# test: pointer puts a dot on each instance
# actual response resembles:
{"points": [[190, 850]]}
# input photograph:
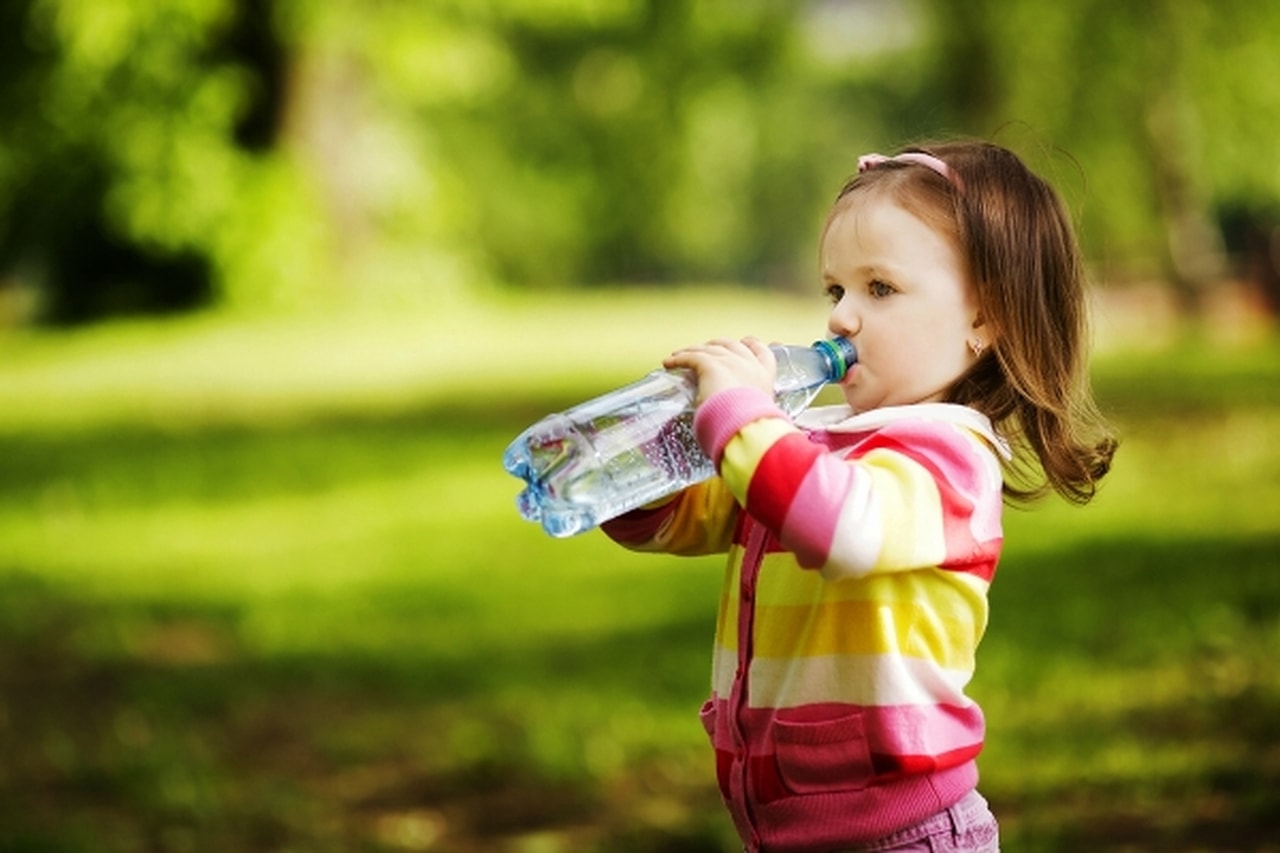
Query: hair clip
{"points": [[870, 161]]}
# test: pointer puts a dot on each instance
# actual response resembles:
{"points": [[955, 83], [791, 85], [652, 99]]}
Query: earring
{"points": [[977, 346]]}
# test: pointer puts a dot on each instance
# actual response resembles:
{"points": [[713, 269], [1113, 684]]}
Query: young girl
{"points": [[862, 538]]}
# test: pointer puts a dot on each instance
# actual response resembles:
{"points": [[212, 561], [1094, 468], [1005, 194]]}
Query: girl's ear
{"points": [[983, 339]]}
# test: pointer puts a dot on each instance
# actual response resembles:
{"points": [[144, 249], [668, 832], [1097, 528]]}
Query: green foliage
{"points": [[649, 126], [1158, 103], [263, 587], [289, 153]]}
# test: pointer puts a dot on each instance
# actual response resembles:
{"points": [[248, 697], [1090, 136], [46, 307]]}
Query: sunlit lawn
{"points": [[262, 587]]}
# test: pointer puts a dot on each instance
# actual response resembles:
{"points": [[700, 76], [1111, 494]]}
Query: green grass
{"points": [[262, 587]]}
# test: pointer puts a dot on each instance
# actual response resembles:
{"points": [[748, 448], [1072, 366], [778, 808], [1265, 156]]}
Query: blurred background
{"points": [[280, 278]]}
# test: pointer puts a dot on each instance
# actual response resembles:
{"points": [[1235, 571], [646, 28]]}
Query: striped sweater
{"points": [[854, 599]]}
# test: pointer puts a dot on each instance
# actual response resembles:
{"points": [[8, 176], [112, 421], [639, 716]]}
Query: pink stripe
{"points": [[902, 730], [777, 478], [722, 415], [810, 525]]}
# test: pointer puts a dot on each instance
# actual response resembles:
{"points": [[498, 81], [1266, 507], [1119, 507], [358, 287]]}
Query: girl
{"points": [[861, 539]]}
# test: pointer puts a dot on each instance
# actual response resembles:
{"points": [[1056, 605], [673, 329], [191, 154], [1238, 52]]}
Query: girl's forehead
{"points": [[865, 202], [858, 211], [858, 204], [876, 195], [878, 232]]}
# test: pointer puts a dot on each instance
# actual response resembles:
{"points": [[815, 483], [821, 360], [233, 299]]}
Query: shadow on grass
{"points": [[1159, 658], [1129, 599], [130, 727], [153, 727]]}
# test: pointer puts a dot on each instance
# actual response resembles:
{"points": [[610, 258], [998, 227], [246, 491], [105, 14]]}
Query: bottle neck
{"points": [[839, 355]]}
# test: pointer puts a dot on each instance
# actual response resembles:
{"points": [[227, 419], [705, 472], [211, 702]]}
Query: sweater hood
{"points": [[841, 419]]}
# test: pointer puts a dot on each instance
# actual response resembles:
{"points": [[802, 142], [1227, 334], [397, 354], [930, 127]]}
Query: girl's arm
{"points": [[921, 493], [698, 520]]}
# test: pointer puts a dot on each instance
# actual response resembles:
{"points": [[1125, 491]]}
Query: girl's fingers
{"points": [[743, 358], [746, 345]]}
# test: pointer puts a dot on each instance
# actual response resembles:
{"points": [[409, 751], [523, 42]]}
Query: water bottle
{"points": [[635, 445]]}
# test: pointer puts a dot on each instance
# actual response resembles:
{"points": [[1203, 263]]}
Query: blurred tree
{"points": [[111, 112], [576, 142], [280, 152], [1166, 106], [630, 141]]}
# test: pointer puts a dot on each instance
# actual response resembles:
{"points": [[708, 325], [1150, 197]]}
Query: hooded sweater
{"points": [[860, 551]]}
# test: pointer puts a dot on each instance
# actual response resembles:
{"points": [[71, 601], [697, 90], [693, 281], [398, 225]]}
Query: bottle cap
{"points": [[840, 354]]}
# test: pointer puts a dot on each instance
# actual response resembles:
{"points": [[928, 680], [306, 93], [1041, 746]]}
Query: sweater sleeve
{"points": [[698, 520], [917, 493]]}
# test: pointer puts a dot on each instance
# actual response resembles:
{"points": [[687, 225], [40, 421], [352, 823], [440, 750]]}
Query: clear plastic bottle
{"points": [[632, 446]]}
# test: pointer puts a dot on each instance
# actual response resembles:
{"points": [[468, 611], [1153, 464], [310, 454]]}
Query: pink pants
{"points": [[966, 827]]}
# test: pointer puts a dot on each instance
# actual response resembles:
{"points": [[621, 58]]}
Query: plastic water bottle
{"points": [[635, 445]]}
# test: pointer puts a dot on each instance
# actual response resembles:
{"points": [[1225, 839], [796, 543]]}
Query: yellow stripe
{"points": [[927, 613], [782, 581], [702, 524], [743, 452], [727, 619], [911, 511], [867, 628]]}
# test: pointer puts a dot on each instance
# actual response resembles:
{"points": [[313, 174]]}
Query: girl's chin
{"points": [[858, 402]]}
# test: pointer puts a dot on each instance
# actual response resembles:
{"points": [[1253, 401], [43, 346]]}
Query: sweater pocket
{"points": [[825, 756]]}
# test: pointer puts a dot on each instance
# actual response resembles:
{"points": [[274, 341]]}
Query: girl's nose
{"points": [[844, 321]]}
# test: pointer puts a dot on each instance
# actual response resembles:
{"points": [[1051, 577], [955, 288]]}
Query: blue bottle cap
{"points": [[840, 354]]}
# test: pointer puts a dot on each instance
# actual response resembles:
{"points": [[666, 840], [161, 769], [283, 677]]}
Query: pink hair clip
{"points": [[870, 161]]}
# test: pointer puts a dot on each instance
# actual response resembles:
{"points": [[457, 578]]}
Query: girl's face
{"points": [[901, 294]]}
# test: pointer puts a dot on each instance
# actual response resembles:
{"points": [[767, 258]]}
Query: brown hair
{"points": [[1028, 275]]}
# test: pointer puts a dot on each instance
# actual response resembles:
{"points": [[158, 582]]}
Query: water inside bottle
{"points": [[582, 468], [635, 445]]}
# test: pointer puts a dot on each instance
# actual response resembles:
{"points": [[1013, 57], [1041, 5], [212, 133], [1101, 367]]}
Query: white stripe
{"points": [[852, 679], [859, 533]]}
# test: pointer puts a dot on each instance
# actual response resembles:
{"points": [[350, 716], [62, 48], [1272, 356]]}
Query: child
{"points": [[862, 538]]}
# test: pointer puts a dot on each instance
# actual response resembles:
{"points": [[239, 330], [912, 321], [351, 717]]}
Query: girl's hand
{"points": [[722, 364]]}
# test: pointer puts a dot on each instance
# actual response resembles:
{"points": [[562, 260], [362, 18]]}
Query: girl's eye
{"points": [[880, 289], [835, 293]]}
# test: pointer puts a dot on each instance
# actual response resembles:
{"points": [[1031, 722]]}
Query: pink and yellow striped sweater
{"points": [[854, 600]]}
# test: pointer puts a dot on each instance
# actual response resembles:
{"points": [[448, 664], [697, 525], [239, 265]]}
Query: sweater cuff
{"points": [[722, 415]]}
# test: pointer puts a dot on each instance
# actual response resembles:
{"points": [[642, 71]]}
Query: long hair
{"points": [[1025, 265]]}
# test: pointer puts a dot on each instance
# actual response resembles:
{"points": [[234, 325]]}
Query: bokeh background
{"points": [[279, 279]]}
